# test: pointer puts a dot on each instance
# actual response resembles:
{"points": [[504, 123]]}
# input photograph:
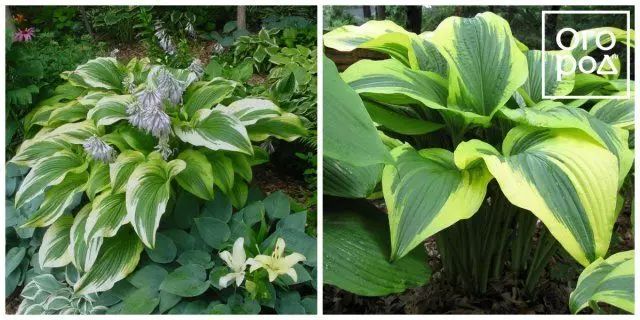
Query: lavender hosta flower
{"points": [[170, 87], [134, 110], [196, 67], [165, 40], [99, 149], [190, 30], [149, 97], [155, 121], [268, 146], [164, 148]]}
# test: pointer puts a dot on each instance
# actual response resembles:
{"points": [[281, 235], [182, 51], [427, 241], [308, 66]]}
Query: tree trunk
{"points": [[414, 19], [241, 18], [9, 20], [86, 22], [366, 12], [380, 13]]}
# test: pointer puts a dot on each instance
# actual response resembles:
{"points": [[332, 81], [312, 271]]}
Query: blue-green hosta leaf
{"points": [[84, 250], [223, 175], [286, 126], [426, 192], [356, 255], [215, 130], [141, 301], [98, 179], [48, 172], [55, 250], [57, 199], [398, 122], [197, 177], [485, 65], [619, 113], [186, 281], [110, 110], [206, 97], [552, 87], [147, 193], [349, 133], [99, 73], [549, 114], [119, 256], [589, 36], [121, 169], [564, 177], [47, 142], [250, 110], [107, 215], [424, 55], [610, 281], [347, 181]]}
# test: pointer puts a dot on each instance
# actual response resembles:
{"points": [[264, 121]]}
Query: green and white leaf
{"points": [[197, 177], [107, 215], [250, 110], [99, 73], [286, 126], [110, 110], [121, 169], [98, 179], [215, 130], [57, 199], [207, 97], [84, 251], [55, 250]]}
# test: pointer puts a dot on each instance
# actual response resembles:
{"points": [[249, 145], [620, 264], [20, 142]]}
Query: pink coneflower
{"points": [[24, 35]]}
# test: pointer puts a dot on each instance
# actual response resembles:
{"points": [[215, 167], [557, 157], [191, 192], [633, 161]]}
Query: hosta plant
{"points": [[46, 295], [125, 140], [453, 110]]}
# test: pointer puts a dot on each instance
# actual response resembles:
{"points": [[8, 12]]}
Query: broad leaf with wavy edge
{"points": [[347, 181], [552, 87], [215, 130], [98, 179], [147, 193], [55, 251], [47, 172], [564, 177], [108, 213], [57, 199], [610, 281], [250, 110], [206, 97], [222, 166], [386, 116], [197, 177], [121, 169], [119, 256], [485, 64], [110, 110], [99, 73], [84, 252], [286, 126], [426, 192], [618, 112]]}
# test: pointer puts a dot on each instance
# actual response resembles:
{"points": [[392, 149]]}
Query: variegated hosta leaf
{"points": [[121, 169], [250, 110], [99, 73], [92, 98], [287, 126], [564, 177], [57, 199], [48, 172], [393, 118], [98, 179], [424, 55], [485, 65], [344, 180], [590, 36], [147, 193], [197, 177], [241, 165], [108, 213], [222, 167], [83, 251], [110, 110], [552, 87], [548, 114], [215, 130], [426, 192], [55, 250], [610, 281], [51, 141], [119, 256], [206, 97], [619, 112], [69, 112]]}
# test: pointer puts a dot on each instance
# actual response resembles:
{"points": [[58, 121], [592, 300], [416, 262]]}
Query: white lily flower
{"points": [[276, 264], [236, 261]]}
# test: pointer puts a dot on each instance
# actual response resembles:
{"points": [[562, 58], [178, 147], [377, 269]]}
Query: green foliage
{"points": [[228, 36], [550, 159]]}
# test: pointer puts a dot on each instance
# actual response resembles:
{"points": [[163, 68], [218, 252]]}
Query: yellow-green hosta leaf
{"points": [[241, 165], [591, 35], [197, 177], [48, 172], [222, 167], [55, 250], [610, 281], [564, 177], [110, 110], [287, 126], [215, 130], [98, 179], [57, 199], [108, 213], [239, 193], [485, 65], [147, 193], [99, 73], [426, 192], [250, 110], [552, 87], [548, 114], [119, 256], [349, 133], [619, 113], [425, 55], [83, 251], [206, 97], [121, 169]]}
